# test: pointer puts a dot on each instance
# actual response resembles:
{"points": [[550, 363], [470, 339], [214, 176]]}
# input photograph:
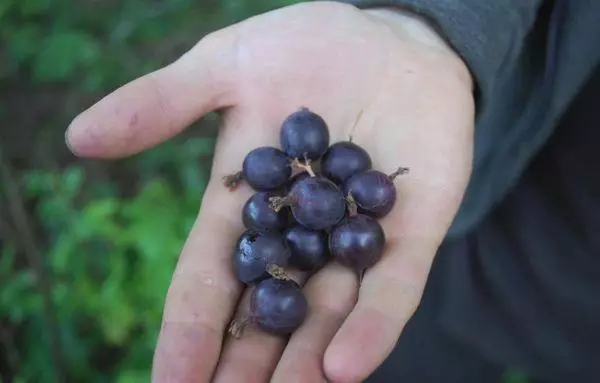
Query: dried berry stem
{"points": [[277, 203], [237, 326], [360, 274], [232, 181], [400, 171], [351, 204], [277, 272], [306, 166]]}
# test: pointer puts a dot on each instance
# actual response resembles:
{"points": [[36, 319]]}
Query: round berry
{"points": [[254, 251], [304, 134], [258, 214], [309, 250], [357, 242], [297, 177], [373, 191], [343, 160], [266, 168], [278, 306], [316, 203]]}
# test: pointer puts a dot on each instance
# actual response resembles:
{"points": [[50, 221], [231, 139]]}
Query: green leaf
{"points": [[61, 253], [62, 53], [72, 179], [98, 218]]}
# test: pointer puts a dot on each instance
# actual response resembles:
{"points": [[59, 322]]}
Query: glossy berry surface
{"points": [[317, 203], [297, 177], [309, 248], [343, 160], [374, 192], [255, 250], [257, 214], [266, 168], [357, 242], [278, 306], [304, 134]]}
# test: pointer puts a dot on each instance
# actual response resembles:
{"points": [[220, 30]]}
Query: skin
{"points": [[393, 85]]}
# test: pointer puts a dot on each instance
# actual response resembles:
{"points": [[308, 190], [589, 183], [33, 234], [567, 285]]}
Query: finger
{"points": [[158, 105], [331, 294], [203, 292], [391, 290], [253, 357]]}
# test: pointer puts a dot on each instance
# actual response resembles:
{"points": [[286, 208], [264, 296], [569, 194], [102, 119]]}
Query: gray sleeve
{"points": [[487, 34]]}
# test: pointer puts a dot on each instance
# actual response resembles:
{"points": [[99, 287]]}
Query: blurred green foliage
{"points": [[109, 248], [111, 261]]}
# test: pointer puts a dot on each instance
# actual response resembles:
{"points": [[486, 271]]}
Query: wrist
{"points": [[412, 27]]}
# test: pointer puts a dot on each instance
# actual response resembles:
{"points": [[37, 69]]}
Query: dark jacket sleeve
{"points": [[488, 35]]}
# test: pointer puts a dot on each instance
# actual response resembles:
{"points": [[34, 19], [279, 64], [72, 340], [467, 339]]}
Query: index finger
{"points": [[158, 105]]}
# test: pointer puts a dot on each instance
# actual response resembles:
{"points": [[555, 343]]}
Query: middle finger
{"points": [[252, 357], [331, 294]]}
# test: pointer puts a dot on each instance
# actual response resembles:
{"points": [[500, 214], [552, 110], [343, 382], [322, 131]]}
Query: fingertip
{"points": [[337, 369], [84, 139], [360, 346], [77, 137]]}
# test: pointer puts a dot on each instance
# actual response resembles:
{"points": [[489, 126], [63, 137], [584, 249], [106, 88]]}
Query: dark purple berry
{"points": [[357, 242], [304, 135], [316, 203], [373, 191], [309, 250], [278, 306], [258, 214], [266, 168], [343, 160], [254, 251], [297, 177]]}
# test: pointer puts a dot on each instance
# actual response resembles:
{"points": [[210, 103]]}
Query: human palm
{"points": [[383, 78]]}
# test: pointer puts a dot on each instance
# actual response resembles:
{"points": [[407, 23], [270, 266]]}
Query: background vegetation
{"points": [[82, 271]]}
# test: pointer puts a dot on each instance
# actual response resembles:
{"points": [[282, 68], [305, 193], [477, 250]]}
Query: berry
{"points": [[308, 248], [257, 214], [304, 134], [266, 168], [316, 203], [357, 242], [278, 306], [343, 160], [373, 191], [297, 177], [255, 251]]}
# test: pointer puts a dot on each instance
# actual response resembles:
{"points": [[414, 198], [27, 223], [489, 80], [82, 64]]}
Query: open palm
{"points": [[383, 78]]}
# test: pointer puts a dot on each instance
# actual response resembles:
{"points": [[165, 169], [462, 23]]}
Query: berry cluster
{"points": [[313, 203]]}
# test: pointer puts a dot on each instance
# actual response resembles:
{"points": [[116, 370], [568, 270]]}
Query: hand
{"points": [[381, 76]]}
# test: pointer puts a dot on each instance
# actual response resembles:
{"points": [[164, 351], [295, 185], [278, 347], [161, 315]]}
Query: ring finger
{"points": [[252, 357]]}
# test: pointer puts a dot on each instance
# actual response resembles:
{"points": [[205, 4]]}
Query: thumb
{"points": [[158, 105]]}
